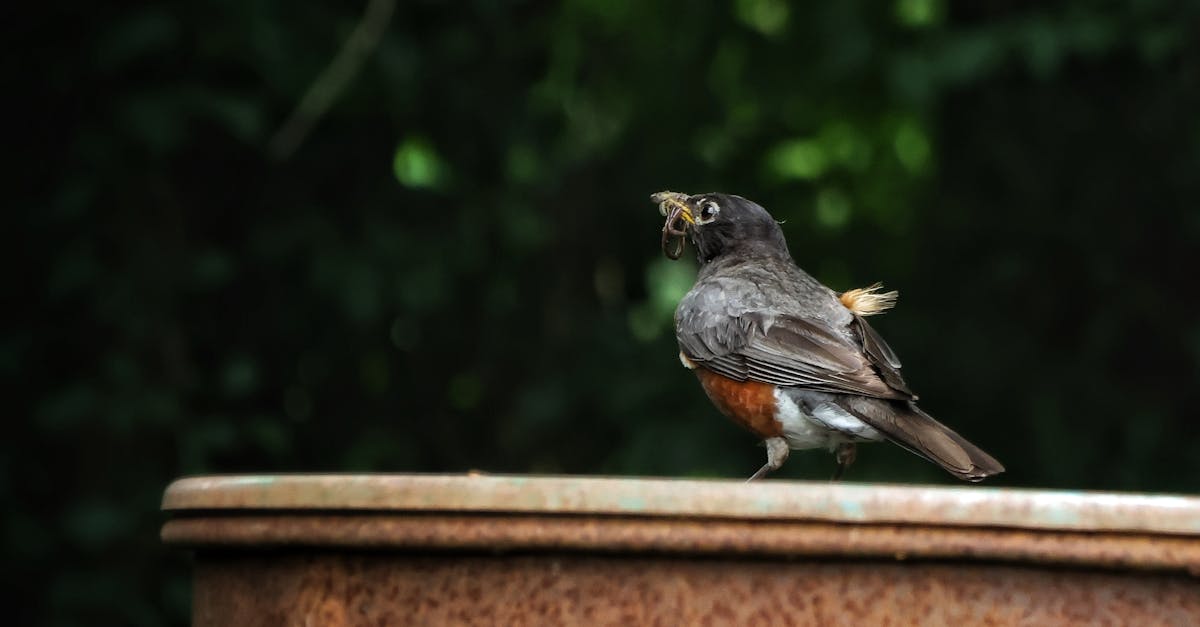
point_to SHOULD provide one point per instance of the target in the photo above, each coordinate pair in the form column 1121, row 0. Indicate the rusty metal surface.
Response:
column 780, row 500
column 378, row 589
column 774, row 539
column 436, row 550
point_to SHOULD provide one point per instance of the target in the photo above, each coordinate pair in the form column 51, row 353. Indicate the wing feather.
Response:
column 793, row 351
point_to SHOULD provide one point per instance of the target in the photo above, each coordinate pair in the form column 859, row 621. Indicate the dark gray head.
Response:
column 721, row 224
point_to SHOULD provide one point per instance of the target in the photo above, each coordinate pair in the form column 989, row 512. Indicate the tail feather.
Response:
column 906, row 425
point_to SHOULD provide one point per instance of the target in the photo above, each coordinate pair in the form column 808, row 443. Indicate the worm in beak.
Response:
column 673, row 206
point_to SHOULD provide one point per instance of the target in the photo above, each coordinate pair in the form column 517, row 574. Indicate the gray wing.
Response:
column 880, row 356
column 756, row 344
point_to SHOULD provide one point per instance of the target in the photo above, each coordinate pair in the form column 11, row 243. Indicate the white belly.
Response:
column 829, row 426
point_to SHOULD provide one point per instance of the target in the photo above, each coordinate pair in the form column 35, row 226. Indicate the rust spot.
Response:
column 751, row 404
column 255, row 588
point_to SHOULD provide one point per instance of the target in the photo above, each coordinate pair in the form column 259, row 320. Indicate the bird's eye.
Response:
column 708, row 212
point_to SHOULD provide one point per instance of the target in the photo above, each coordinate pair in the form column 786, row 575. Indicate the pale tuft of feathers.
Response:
column 868, row 301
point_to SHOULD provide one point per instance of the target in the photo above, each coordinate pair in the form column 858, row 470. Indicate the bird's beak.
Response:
column 669, row 202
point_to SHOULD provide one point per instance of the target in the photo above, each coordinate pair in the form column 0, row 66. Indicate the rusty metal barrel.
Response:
column 522, row 550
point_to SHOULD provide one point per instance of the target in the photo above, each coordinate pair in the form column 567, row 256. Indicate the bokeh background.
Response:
column 416, row 236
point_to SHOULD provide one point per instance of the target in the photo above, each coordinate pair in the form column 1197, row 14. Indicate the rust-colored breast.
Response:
column 748, row 403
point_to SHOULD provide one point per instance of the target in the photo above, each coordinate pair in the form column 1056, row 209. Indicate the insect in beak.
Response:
column 672, row 206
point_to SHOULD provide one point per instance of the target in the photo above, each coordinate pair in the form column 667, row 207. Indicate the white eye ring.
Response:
column 708, row 212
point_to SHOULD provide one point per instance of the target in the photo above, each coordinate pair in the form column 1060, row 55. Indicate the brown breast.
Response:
column 748, row 403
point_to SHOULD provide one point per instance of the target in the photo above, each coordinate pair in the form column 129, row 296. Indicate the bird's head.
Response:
column 717, row 224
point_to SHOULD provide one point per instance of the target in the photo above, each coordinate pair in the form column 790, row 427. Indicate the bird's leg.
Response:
column 846, row 452
column 777, row 453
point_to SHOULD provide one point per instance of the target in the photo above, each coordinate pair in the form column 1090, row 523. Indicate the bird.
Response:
column 789, row 359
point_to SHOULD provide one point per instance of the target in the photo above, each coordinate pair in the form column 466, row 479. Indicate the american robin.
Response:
column 786, row 357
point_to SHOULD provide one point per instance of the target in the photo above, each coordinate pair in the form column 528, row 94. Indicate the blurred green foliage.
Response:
column 459, row 268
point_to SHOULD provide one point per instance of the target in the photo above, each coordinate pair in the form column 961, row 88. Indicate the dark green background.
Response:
column 458, row 267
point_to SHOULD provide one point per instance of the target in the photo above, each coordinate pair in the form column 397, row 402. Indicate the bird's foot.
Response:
column 845, row 454
column 777, row 453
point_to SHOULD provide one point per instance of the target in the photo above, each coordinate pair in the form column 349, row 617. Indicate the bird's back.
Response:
column 736, row 287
